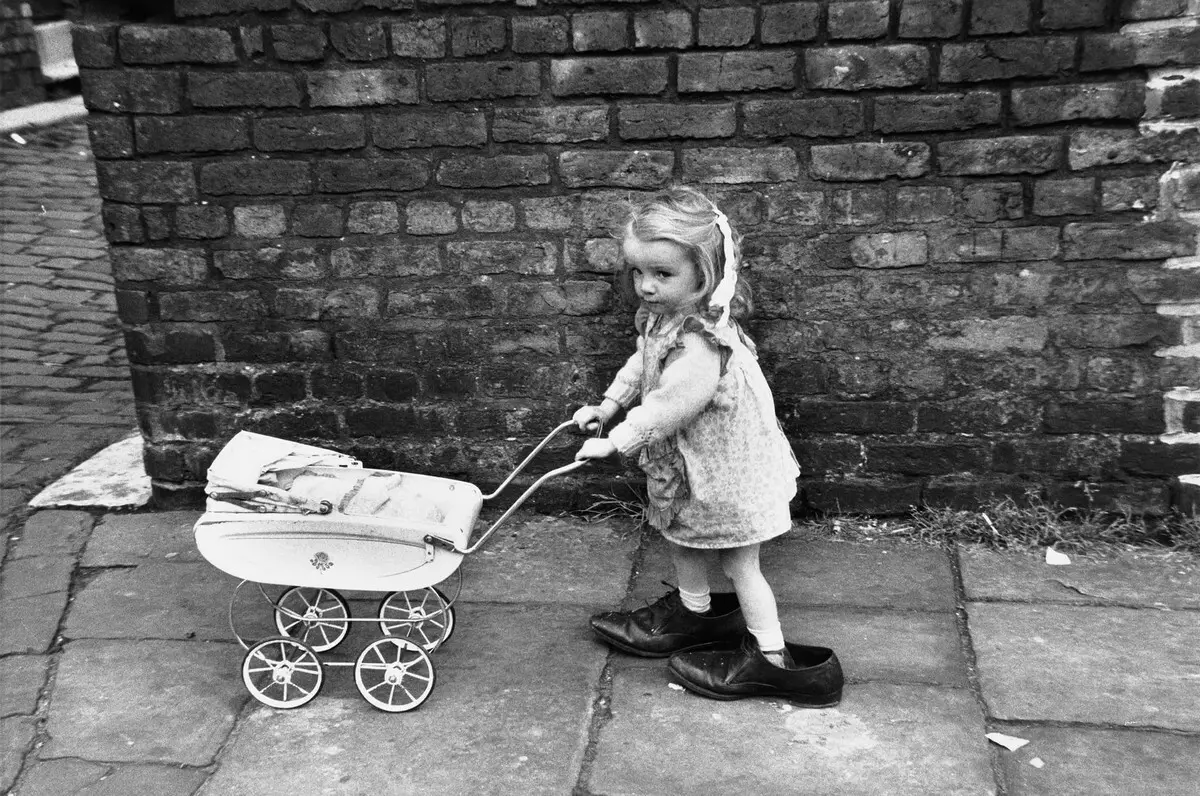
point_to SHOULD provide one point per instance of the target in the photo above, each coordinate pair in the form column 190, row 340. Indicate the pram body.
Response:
column 286, row 514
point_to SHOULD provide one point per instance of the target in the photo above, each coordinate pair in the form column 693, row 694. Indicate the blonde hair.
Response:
column 688, row 218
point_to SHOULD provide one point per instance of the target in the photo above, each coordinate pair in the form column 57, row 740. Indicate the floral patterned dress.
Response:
column 719, row 478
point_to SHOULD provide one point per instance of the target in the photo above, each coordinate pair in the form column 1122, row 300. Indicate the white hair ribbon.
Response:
column 722, row 294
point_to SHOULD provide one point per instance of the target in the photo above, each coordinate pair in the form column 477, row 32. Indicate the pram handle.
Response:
column 566, row 468
column 529, row 458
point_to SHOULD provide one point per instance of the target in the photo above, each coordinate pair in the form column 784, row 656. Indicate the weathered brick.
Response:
column 1112, row 330
column 94, row 45
column 201, row 8
column 677, row 120
column 306, row 345
column 927, row 458
column 503, row 257
column 256, row 177
column 1090, row 148
column 476, row 35
column 409, row 129
column 1166, row 46
column 625, row 169
column 252, row 40
column 200, row 222
column 317, row 221
column 1050, row 104
column 1072, row 457
column 298, row 42
column 379, row 421
column 553, row 212
column 302, row 303
column 351, row 88
column 1012, row 155
column 193, row 133
column 279, row 387
column 999, row 16
column 1065, row 14
column 132, row 91
column 1004, row 59
column 352, row 262
column 259, row 221
column 211, row 305
column 974, row 416
column 862, row 496
column 825, row 117
column 1128, row 193
column 243, row 89
column 272, row 263
column 431, row 218
column 359, row 41
column 662, row 29
column 470, row 80
column 1158, row 458
column 803, row 417
column 994, row 335
column 856, row 68
column 158, row 223
column 494, row 172
column 858, row 207
column 1128, row 416
column 1019, row 244
column 352, row 175
column 635, row 75
column 1146, row 241
column 783, row 23
column 110, row 136
column 168, row 266
column 889, row 250
column 337, row 382
column 726, row 27
column 937, row 111
column 171, row 346
column 1173, row 97
column 309, row 132
column 133, row 306
column 930, row 19
column 1064, row 197
column 922, row 204
column 149, row 44
column 122, row 223
column 993, row 201
column 146, row 181
column 858, row 19
column 732, row 165
column 421, row 38
column 540, row 34
column 848, row 162
column 599, row 30
column 1153, row 9
column 373, row 218
column 489, row 216
column 552, row 125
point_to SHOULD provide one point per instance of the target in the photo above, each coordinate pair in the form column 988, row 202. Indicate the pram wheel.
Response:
column 318, row 617
column 423, row 616
column 394, row 675
column 282, row 672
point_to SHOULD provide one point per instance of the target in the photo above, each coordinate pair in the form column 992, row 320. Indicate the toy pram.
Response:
column 316, row 521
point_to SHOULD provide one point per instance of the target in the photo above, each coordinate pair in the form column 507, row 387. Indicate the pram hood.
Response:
column 247, row 471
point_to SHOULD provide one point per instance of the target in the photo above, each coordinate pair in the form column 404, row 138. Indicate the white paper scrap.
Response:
column 1037, row 762
column 1009, row 742
column 675, row 686
column 1055, row 558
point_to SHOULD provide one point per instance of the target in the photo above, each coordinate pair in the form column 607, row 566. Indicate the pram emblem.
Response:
column 321, row 561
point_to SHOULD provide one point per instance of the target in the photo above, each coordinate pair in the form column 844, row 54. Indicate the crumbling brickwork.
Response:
column 21, row 81
column 386, row 226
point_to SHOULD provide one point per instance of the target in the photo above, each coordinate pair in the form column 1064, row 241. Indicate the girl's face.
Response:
column 664, row 276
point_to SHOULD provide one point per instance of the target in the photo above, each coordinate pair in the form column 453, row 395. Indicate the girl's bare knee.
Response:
column 740, row 562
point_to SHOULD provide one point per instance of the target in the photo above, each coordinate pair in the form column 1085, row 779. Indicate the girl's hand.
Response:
column 589, row 418
column 596, row 448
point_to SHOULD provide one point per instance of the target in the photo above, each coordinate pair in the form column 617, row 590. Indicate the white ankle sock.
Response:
column 696, row 603
column 770, row 639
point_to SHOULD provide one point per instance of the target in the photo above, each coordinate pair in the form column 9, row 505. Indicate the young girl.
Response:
column 719, row 471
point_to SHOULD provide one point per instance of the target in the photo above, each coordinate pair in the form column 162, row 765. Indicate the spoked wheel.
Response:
column 394, row 675
column 282, row 672
column 423, row 616
column 318, row 617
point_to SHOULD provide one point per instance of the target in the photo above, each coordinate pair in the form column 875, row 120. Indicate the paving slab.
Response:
column 16, row 737
column 113, row 478
column 510, row 714
column 891, row 646
column 144, row 701
column 30, row 623
column 552, row 559
column 131, row 539
column 1135, row 578
column 36, row 575
column 882, row 738
column 84, row 778
column 22, row 678
column 1084, row 761
column 1102, row 666
column 803, row 571
column 53, row 533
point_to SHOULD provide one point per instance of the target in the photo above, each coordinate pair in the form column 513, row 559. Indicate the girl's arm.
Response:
column 688, row 384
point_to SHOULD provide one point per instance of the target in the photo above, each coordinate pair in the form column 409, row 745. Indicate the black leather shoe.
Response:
column 665, row 627
column 815, row 681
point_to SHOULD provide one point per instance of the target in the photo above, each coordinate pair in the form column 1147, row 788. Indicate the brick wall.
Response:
column 386, row 227
column 20, row 68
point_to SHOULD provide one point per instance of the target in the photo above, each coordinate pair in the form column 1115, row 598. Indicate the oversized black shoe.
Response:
column 815, row 681
column 665, row 627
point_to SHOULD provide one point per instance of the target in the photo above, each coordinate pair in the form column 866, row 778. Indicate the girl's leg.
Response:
column 691, row 571
column 757, row 599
